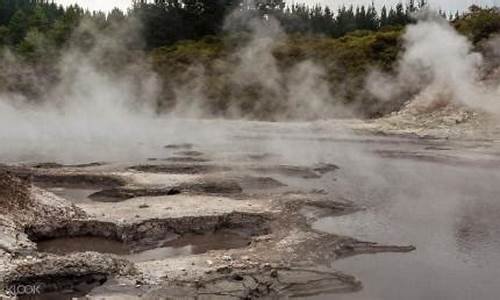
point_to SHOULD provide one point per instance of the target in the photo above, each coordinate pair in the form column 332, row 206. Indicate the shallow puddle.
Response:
column 188, row 244
column 74, row 195
column 62, row 246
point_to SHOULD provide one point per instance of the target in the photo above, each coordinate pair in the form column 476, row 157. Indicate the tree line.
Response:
column 165, row 22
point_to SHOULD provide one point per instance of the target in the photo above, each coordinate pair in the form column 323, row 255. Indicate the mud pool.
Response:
column 73, row 195
column 450, row 213
column 171, row 246
column 441, row 196
column 438, row 195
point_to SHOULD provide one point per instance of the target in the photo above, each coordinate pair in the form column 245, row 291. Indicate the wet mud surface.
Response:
column 294, row 220
column 53, row 165
column 61, row 288
column 191, row 153
column 186, row 159
column 226, row 247
column 203, row 187
column 74, row 195
column 254, row 182
column 171, row 246
column 185, row 146
column 313, row 172
column 251, row 284
column 486, row 161
column 180, row 168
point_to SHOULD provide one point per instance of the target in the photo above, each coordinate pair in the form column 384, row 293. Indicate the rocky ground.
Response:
column 438, row 121
column 144, row 208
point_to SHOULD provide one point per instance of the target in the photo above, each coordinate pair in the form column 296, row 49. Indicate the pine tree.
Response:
column 384, row 21
column 17, row 27
column 372, row 18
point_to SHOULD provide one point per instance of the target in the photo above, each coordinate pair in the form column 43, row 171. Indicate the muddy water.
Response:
column 171, row 247
column 68, row 245
column 449, row 213
column 448, row 210
column 440, row 196
column 74, row 195
column 193, row 244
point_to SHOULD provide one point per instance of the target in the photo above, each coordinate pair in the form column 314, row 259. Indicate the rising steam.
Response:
column 438, row 65
column 102, row 111
column 299, row 92
column 89, row 113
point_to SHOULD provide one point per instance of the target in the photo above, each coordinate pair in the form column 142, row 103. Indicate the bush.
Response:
column 480, row 23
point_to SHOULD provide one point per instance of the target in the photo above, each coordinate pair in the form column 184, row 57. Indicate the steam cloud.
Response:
column 438, row 65
column 94, row 114
column 302, row 92
column 90, row 113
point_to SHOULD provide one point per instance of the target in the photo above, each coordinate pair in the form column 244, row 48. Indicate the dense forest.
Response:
column 168, row 21
column 176, row 35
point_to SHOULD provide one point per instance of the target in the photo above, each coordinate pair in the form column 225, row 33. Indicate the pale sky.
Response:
column 448, row 5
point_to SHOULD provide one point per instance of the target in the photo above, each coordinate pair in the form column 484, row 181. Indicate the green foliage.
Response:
column 17, row 27
column 187, row 41
column 24, row 21
column 165, row 22
column 4, row 35
column 479, row 23
column 168, row 21
column 34, row 46
column 345, row 61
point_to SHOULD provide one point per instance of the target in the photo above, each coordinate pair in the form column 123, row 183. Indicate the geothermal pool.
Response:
column 449, row 212
column 440, row 196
